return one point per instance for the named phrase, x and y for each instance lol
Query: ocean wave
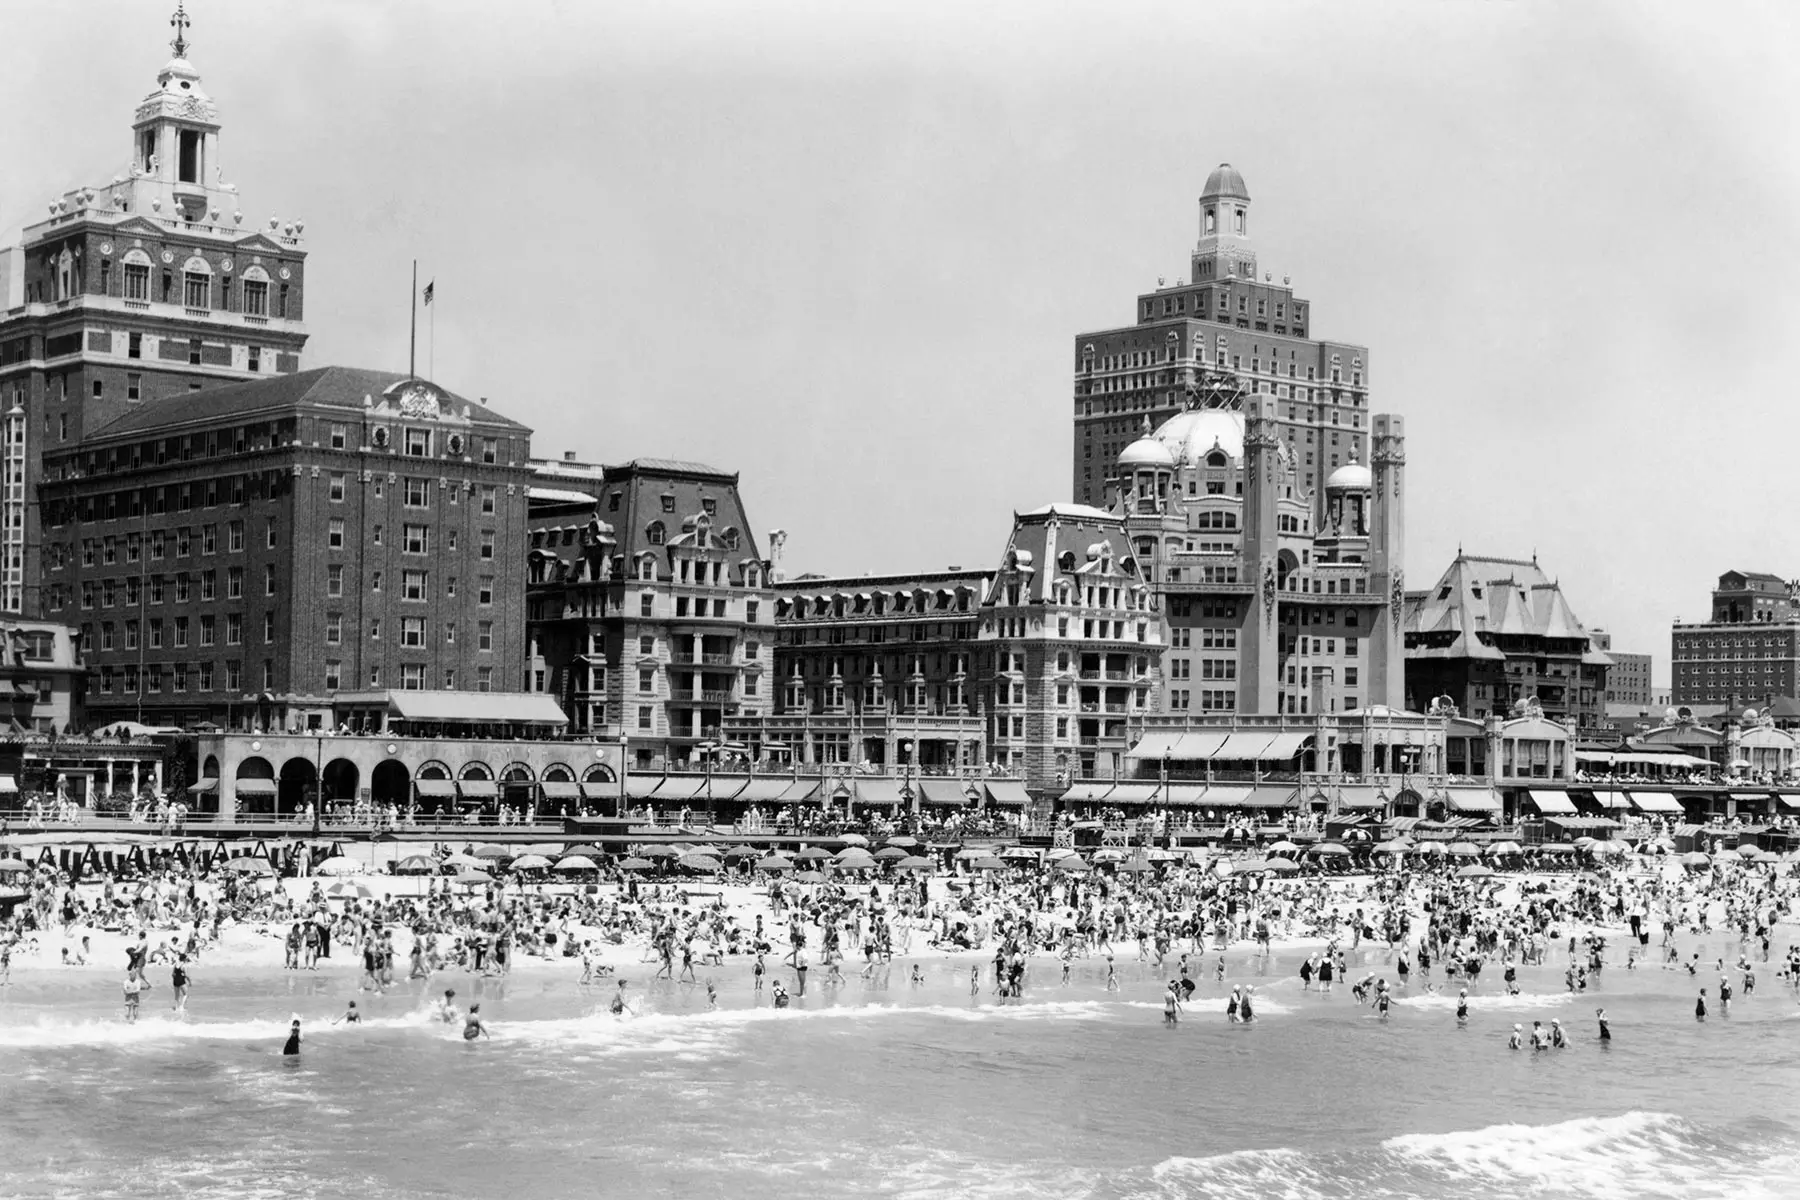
(1479, 1000)
(1631, 1156)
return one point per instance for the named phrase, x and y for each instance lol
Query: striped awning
(1088, 791)
(1549, 802)
(256, 787)
(1472, 800)
(1185, 795)
(1655, 802)
(1360, 797)
(1132, 793)
(436, 789)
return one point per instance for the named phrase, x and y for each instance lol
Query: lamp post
(909, 793)
(624, 769)
(318, 780)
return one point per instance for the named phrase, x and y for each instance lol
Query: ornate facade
(133, 290)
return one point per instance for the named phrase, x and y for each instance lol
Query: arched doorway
(256, 786)
(389, 783)
(299, 786)
(518, 786)
(341, 779)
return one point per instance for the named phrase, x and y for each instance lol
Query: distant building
(650, 612)
(135, 289)
(1748, 651)
(242, 554)
(1628, 679)
(1495, 633)
(1224, 330)
(43, 681)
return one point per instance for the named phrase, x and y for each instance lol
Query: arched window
(655, 534)
(1212, 220)
(1216, 459)
(731, 538)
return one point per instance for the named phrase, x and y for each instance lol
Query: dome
(1147, 452)
(1191, 435)
(1351, 476)
(1225, 181)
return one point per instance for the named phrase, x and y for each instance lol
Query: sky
(844, 250)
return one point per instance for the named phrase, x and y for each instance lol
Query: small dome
(1352, 476)
(1225, 181)
(1190, 436)
(1147, 452)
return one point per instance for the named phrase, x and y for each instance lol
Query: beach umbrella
(893, 853)
(464, 860)
(338, 865)
(1071, 862)
(915, 863)
(809, 877)
(1431, 848)
(530, 862)
(742, 852)
(636, 864)
(1499, 848)
(973, 852)
(774, 862)
(1061, 852)
(1749, 851)
(1695, 858)
(1463, 849)
(1284, 847)
(654, 850)
(1247, 866)
(853, 839)
(590, 851)
(1020, 853)
(346, 890)
(576, 862)
(1329, 848)
(12, 864)
(1396, 846)
(472, 875)
(492, 852)
(1133, 866)
(416, 862)
(812, 854)
(854, 854)
(1582, 843)
(1109, 856)
(1282, 866)
(903, 841)
(1475, 871)
(249, 866)
(701, 862)
(989, 863)
(1556, 847)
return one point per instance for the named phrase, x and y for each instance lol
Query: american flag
(428, 288)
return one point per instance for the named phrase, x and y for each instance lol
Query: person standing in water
(1462, 1007)
(178, 978)
(134, 990)
(1605, 1029)
(1245, 1012)
(351, 1016)
(1516, 1040)
(292, 1045)
(473, 1026)
(1700, 1006)
(1172, 1004)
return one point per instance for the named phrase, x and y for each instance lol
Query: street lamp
(624, 769)
(910, 794)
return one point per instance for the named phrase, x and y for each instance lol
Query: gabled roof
(1493, 596)
(656, 466)
(326, 387)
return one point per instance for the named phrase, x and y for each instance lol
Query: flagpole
(412, 346)
(431, 350)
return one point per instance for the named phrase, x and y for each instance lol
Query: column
(1387, 556)
(109, 777)
(136, 786)
(1260, 681)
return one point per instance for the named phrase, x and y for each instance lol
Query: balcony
(690, 659)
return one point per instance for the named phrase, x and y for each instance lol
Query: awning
(481, 708)
(680, 787)
(1185, 795)
(800, 791)
(8, 784)
(1608, 799)
(1244, 746)
(256, 787)
(1271, 797)
(764, 791)
(1155, 746)
(599, 789)
(1224, 797)
(1656, 802)
(478, 789)
(436, 789)
(203, 785)
(944, 793)
(1472, 800)
(1549, 802)
(1750, 796)
(561, 789)
(1788, 801)
(1088, 791)
(878, 789)
(641, 787)
(1007, 793)
(1133, 793)
(1360, 797)
(1284, 746)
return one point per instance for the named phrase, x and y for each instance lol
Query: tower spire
(180, 23)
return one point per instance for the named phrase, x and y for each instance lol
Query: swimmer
(759, 969)
(473, 1026)
(1540, 1040)
(1700, 1006)
(1605, 1029)
(918, 976)
(1244, 1009)
(781, 996)
(1172, 1004)
(292, 1045)
(1724, 996)
(1462, 1006)
(1516, 1040)
(619, 1007)
(1112, 978)
(712, 997)
(134, 989)
(447, 1012)
(178, 978)
(974, 980)
(1231, 1008)
(1557, 1037)
(351, 1016)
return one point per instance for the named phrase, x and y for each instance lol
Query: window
(750, 607)
(234, 537)
(334, 534)
(647, 680)
(646, 605)
(255, 358)
(374, 581)
(484, 678)
(412, 631)
(338, 481)
(340, 436)
(418, 494)
(256, 297)
(485, 594)
(484, 635)
(449, 633)
(412, 585)
(645, 712)
(490, 450)
(209, 585)
(234, 583)
(334, 629)
(206, 677)
(234, 628)
(412, 677)
(137, 285)
(487, 497)
(415, 539)
(646, 646)
(334, 674)
(418, 443)
(181, 633)
(196, 290)
(487, 543)
(375, 535)
(268, 628)
(375, 629)
(334, 580)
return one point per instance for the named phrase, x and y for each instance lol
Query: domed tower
(1347, 499)
(1146, 472)
(1224, 250)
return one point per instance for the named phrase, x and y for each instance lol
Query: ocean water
(885, 1088)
